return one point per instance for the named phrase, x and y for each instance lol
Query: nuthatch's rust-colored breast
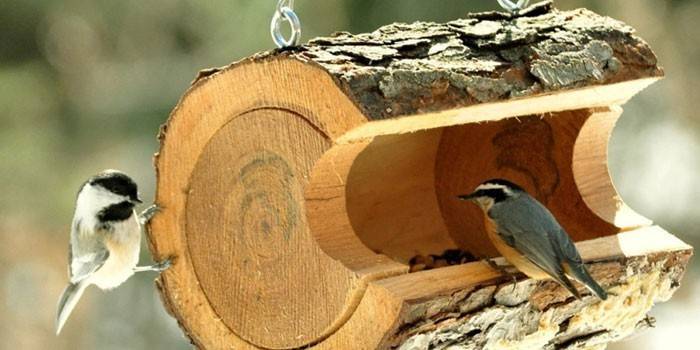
(514, 257)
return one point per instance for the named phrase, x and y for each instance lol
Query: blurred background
(84, 86)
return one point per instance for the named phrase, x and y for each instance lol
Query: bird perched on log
(526, 233)
(105, 238)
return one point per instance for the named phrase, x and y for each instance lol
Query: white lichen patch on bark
(532, 315)
(629, 304)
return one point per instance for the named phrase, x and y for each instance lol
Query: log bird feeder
(296, 186)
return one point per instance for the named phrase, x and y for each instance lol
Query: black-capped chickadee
(529, 237)
(105, 238)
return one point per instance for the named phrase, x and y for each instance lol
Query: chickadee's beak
(136, 200)
(467, 197)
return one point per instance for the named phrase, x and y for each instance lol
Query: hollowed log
(296, 185)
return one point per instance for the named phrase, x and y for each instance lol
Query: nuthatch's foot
(650, 321)
(503, 270)
(148, 214)
(158, 267)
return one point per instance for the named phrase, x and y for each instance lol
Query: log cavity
(397, 194)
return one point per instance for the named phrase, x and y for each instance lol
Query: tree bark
(406, 69)
(532, 315)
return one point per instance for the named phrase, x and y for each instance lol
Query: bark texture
(532, 315)
(405, 69)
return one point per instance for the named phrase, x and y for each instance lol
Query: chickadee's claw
(163, 265)
(158, 267)
(149, 213)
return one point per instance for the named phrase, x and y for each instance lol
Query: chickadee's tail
(67, 303)
(580, 273)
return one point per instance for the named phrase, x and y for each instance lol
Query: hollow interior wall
(535, 152)
(401, 190)
(391, 200)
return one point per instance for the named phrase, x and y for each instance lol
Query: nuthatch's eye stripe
(497, 194)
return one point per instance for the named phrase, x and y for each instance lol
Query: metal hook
(513, 7)
(285, 13)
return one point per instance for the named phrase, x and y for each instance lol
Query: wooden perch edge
(532, 315)
(467, 306)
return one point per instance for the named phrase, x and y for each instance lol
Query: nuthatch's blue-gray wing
(573, 264)
(531, 229)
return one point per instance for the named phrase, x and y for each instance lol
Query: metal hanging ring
(285, 3)
(512, 7)
(285, 13)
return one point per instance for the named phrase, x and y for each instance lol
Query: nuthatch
(529, 237)
(105, 238)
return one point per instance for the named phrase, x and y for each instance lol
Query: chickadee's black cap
(118, 183)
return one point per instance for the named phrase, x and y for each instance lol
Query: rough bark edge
(542, 315)
(406, 69)
(171, 310)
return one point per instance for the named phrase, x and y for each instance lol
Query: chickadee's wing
(87, 252)
(85, 265)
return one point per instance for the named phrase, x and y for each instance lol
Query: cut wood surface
(297, 184)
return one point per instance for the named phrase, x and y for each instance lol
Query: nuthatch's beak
(468, 197)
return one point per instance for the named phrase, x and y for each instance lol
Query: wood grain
(391, 199)
(590, 170)
(231, 186)
(246, 218)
